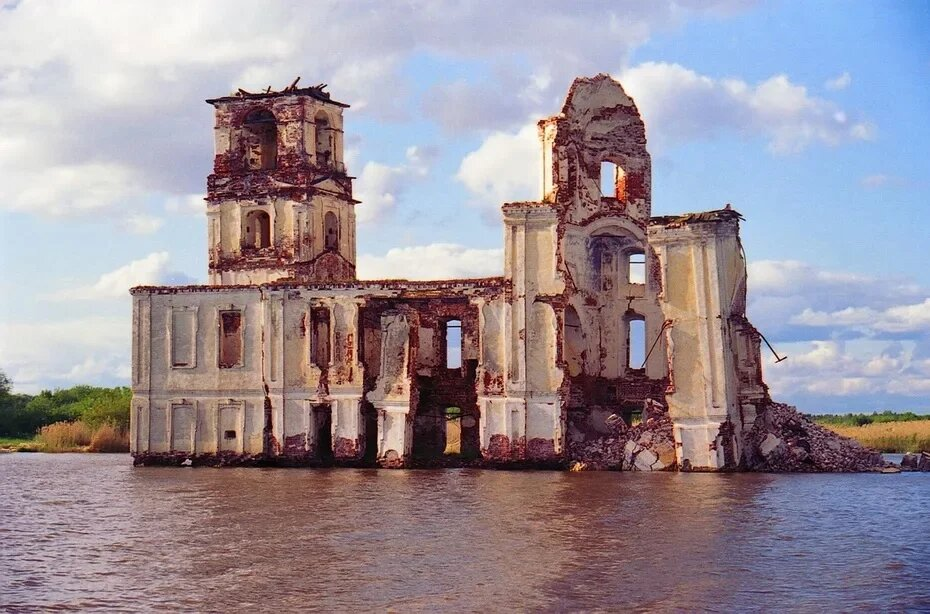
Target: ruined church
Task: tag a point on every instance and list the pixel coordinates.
(605, 317)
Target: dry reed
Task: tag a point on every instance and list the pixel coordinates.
(64, 436)
(79, 437)
(108, 438)
(913, 436)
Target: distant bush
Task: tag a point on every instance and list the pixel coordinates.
(863, 419)
(23, 415)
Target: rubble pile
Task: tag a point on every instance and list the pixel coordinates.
(783, 439)
(647, 446)
(916, 462)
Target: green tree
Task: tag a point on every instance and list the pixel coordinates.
(13, 421)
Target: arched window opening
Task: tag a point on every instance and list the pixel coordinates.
(331, 231)
(257, 233)
(261, 140)
(573, 342)
(636, 342)
(454, 344)
(324, 139)
(636, 271)
(613, 181)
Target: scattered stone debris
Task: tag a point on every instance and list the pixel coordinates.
(647, 446)
(916, 462)
(783, 439)
(604, 313)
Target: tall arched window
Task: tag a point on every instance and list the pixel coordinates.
(331, 231)
(260, 132)
(257, 233)
(324, 139)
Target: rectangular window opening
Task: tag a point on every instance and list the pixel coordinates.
(454, 344)
(183, 337)
(319, 337)
(637, 263)
(608, 181)
(230, 350)
(229, 434)
(636, 336)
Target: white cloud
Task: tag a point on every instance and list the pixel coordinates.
(66, 352)
(880, 180)
(853, 341)
(149, 271)
(434, 261)
(857, 371)
(141, 223)
(897, 319)
(874, 181)
(506, 167)
(840, 82)
(95, 112)
(680, 104)
(379, 185)
(189, 204)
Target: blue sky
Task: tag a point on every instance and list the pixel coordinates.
(811, 118)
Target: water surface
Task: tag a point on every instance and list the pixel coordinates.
(84, 531)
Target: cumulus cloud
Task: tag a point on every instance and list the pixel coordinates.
(528, 73)
(897, 319)
(66, 352)
(786, 295)
(840, 82)
(152, 270)
(680, 104)
(506, 167)
(837, 375)
(380, 185)
(95, 112)
(434, 261)
(854, 341)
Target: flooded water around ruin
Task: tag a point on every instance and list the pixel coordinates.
(85, 531)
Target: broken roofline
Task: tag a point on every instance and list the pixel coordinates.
(418, 286)
(316, 91)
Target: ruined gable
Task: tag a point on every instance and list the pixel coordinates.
(614, 339)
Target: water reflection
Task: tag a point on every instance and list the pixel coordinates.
(86, 531)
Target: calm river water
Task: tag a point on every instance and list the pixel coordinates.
(85, 531)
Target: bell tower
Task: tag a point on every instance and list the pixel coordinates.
(279, 201)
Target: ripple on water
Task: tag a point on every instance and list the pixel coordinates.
(84, 532)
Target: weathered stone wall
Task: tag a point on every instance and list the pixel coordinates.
(605, 316)
(296, 184)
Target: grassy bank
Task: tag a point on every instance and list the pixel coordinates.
(887, 436)
(76, 436)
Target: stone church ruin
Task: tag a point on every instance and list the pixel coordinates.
(615, 339)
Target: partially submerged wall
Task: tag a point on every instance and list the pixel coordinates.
(614, 340)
